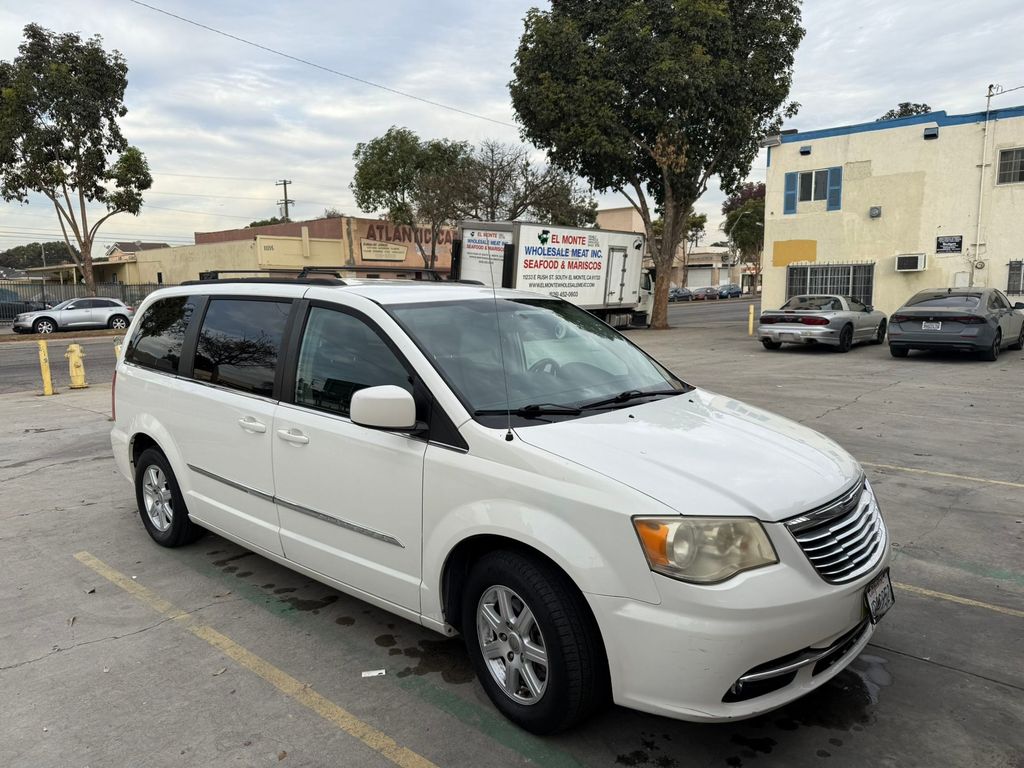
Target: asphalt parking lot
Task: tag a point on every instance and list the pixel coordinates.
(114, 651)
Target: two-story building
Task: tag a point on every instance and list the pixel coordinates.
(882, 210)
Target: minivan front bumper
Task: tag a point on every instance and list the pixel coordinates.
(734, 650)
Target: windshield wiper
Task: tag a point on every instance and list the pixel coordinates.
(534, 409)
(630, 394)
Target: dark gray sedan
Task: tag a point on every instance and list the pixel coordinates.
(979, 320)
(836, 321)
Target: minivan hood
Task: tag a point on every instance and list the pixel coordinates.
(704, 454)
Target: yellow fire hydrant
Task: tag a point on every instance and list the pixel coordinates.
(44, 368)
(76, 369)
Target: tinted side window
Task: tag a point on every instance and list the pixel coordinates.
(340, 355)
(239, 344)
(158, 339)
(855, 305)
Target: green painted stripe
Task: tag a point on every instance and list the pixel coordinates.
(975, 569)
(480, 718)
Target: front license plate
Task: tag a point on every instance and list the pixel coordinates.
(879, 596)
(926, 326)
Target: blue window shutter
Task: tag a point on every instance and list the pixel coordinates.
(789, 199)
(835, 189)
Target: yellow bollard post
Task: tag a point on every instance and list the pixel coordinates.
(76, 369)
(750, 321)
(44, 368)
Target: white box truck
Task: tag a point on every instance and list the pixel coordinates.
(599, 270)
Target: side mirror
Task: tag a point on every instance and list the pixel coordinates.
(384, 407)
(1019, 305)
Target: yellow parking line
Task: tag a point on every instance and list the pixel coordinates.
(957, 599)
(288, 685)
(943, 474)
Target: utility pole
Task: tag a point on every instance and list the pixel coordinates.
(286, 202)
(42, 250)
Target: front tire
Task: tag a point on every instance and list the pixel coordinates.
(44, 325)
(1019, 343)
(532, 642)
(880, 335)
(160, 502)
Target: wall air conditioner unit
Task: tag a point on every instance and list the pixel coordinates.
(911, 262)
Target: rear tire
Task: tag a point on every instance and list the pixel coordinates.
(571, 682)
(991, 354)
(769, 344)
(160, 502)
(845, 339)
(118, 322)
(898, 351)
(880, 335)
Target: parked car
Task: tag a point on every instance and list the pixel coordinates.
(729, 291)
(572, 508)
(838, 321)
(979, 320)
(12, 305)
(705, 294)
(76, 314)
(679, 294)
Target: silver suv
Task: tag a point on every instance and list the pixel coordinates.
(76, 313)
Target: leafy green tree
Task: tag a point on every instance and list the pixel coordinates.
(60, 101)
(31, 255)
(745, 228)
(503, 184)
(652, 98)
(905, 109)
(417, 183)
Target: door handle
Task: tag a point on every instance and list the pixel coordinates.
(292, 436)
(249, 424)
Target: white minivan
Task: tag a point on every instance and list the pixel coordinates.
(503, 465)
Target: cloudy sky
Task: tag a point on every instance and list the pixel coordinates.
(220, 121)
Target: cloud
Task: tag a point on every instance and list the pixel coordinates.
(204, 105)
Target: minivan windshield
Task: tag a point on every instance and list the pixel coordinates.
(539, 359)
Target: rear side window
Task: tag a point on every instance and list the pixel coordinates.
(160, 334)
(340, 355)
(239, 344)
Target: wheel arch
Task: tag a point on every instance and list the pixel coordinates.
(468, 551)
(45, 317)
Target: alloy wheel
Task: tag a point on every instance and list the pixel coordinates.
(512, 645)
(157, 497)
(44, 326)
(118, 323)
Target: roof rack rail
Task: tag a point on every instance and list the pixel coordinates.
(322, 275)
(373, 272)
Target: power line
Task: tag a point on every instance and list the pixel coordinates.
(321, 66)
(234, 197)
(198, 213)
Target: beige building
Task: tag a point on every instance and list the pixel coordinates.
(882, 210)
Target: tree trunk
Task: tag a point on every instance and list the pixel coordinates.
(87, 273)
(674, 218)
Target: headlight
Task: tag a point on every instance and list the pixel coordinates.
(704, 550)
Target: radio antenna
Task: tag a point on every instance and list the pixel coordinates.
(501, 346)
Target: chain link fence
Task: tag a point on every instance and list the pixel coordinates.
(18, 296)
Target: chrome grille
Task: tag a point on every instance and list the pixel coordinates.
(843, 539)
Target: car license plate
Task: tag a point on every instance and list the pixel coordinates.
(788, 336)
(879, 596)
(926, 326)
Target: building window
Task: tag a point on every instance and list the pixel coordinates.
(1015, 282)
(1011, 166)
(809, 186)
(853, 280)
